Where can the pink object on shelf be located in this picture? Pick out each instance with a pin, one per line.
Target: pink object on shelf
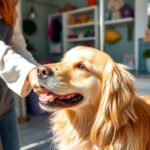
(72, 36)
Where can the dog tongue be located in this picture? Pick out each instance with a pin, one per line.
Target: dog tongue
(46, 97)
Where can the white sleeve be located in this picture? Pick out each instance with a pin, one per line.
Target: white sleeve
(14, 69)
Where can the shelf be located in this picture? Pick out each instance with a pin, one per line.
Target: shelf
(85, 9)
(81, 39)
(86, 31)
(82, 25)
(119, 21)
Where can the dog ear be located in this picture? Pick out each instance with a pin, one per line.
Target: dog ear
(117, 93)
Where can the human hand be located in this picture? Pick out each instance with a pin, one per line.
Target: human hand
(34, 82)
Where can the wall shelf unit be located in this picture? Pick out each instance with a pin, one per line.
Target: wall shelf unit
(135, 25)
(84, 30)
(121, 50)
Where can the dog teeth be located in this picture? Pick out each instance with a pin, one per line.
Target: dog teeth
(70, 96)
(66, 96)
(50, 98)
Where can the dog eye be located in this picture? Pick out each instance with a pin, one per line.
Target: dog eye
(81, 67)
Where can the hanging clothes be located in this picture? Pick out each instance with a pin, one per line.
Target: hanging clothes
(54, 30)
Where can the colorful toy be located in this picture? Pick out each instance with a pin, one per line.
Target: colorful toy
(73, 20)
(127, 11)
(112, 36)
(114, 6)
(84, 18)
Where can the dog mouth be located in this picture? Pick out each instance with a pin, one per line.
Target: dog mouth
(54, 100)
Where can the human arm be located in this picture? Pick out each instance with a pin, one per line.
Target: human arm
(18, 51)
(14, 70)
(17, 65)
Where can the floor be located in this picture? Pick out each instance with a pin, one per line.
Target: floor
(35, 134)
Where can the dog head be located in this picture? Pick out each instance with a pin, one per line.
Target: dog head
(75, 81)
(87, 81)
(85, 76)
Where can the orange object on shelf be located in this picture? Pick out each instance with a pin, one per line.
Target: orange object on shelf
(91, 2)
(73, 20)
(84, 18)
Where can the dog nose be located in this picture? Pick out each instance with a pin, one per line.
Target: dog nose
(44, 71)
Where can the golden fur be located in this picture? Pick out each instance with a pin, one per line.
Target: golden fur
(111, 115)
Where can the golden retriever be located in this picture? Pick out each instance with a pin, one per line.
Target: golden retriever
(94, 102)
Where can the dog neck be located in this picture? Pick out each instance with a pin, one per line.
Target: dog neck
(82, 119)
(72, 125)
